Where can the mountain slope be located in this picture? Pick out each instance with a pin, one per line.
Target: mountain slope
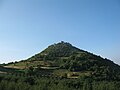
(66, 59)
(61, 49)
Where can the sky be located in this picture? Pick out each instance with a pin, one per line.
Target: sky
(29, 26)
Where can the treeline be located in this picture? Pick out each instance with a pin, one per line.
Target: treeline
(27, 82)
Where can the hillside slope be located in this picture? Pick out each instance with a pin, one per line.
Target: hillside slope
(67, 59)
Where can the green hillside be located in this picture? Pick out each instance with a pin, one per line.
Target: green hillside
(61, 66)
(65, 60)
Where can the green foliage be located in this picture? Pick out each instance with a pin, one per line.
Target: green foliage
(65, 56)
(13, 82)
(30, 71)
(51, 69)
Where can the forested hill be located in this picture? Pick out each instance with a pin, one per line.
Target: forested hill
(65, 58)
(61, 66)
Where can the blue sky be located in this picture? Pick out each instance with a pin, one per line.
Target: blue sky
(29, 26)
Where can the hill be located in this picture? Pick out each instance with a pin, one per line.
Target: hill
(64, 60)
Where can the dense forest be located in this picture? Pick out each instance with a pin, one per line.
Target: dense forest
(28, 82)
(61, 66)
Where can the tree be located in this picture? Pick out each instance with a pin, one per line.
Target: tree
(29, 71)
